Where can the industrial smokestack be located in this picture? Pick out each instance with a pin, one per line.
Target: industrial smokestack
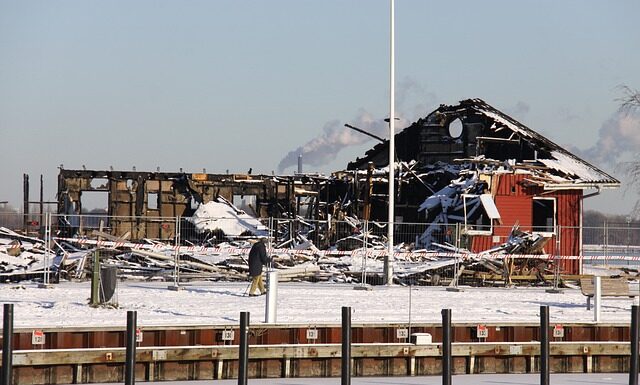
(300, 164)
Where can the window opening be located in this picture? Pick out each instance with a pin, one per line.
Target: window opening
(479, 213)
(455, 128)
(152, 201)
(544, 215)
(246, 203)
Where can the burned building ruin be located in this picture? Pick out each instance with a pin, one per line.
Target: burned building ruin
(468, 165)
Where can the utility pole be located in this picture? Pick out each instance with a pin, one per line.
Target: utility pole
(388, 268)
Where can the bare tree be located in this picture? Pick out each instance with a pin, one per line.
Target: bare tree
(629, 102)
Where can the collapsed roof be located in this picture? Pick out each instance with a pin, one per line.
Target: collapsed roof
(473, 132)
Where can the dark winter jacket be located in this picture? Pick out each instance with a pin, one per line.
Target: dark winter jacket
(257, 258)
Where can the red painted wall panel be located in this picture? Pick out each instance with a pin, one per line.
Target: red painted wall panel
(514, 201)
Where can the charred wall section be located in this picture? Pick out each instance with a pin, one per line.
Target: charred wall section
(140, 203)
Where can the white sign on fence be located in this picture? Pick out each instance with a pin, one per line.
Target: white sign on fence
(312, 334)
(37, 337)
(558, 331)
(482, 331)
(402, 333)
(228, 335)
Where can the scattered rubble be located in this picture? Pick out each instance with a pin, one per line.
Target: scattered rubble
(73, 259)
(220, 215)
(24, 257)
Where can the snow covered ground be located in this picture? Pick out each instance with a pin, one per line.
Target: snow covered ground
(207, 303)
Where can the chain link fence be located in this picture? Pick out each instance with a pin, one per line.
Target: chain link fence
(173, 239)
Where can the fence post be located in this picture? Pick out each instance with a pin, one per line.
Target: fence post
(544, 345)
(243, 351)
(177, 251)
(556, 264)
(346, 346)
(130, 359)
(176, 256)
(633, 364)
(365, 239)
(95, 276)
(446, 346)
(271, 240)
(7, 344)
(47, 251)
(47, 246)
(453, 286)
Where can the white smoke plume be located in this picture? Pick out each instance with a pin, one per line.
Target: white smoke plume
(334, 137)
(618, 136)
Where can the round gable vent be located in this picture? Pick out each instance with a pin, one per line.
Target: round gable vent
(455, 128)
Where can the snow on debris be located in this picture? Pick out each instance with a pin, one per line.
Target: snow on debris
(573, 167)
(222, 215)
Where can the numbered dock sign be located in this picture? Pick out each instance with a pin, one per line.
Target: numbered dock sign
(482, 331)
(558, 331)
(312, 334)
(37, 337)
(227, 335)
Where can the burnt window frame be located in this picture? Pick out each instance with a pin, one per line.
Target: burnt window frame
(155, 200)
(472, 231)
(534, 227)
(245, 203)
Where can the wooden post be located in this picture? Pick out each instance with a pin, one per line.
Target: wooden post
(130, 359)
(346, 346)
(243, 351)
(446, 347)
(544, 345)
(633, 364)
(7, 344)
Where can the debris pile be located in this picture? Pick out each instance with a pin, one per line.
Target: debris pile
(223, 217)
(23, 257)
(521, 242)
(73, 259)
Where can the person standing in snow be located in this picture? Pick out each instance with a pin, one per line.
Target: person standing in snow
(257, 258)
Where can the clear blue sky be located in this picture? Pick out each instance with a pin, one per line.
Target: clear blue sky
(240, 84)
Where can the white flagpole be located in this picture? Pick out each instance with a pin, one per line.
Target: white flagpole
(392, 142)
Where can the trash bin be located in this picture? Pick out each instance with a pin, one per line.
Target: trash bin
(108, 282)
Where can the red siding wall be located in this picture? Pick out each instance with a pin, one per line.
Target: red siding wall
(514, 201)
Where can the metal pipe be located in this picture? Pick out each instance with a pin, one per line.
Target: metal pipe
(271, 311)
(243, 358)
(633, 364)
(7, 344)
(597, 298)
(130, 358)
(446, 346)
(346, 346)
(544, 345)
(392, 144)
(364, 132)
